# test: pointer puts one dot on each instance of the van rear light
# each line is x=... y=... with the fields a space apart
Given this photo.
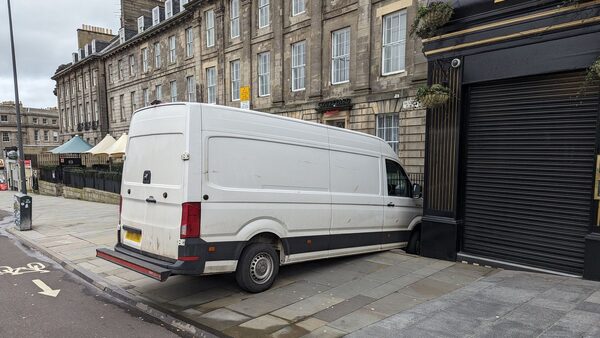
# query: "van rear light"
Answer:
x=190 y=220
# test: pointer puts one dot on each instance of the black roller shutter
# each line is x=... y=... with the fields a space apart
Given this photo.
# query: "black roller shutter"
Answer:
x=530 y=149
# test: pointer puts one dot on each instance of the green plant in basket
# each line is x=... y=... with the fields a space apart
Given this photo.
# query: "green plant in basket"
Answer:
x=430 y=18
x=434 y=96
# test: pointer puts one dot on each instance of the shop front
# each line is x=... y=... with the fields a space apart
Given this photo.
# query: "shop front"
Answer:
x=512 y=156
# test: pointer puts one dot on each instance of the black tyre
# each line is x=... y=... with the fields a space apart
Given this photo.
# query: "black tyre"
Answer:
x=414 y=243
x=257 y=267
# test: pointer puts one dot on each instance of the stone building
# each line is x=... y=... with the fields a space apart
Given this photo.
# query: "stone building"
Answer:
x=348 y=63
x=81 y=87
x=39 y=126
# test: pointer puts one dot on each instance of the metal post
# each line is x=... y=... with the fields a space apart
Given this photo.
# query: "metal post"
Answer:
x=18 y=108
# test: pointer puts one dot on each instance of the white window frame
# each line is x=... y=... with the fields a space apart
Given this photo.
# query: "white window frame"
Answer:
x=172 y=49
x=190 y=83
x=390 y=134
x=181 y=4
x=122 y=107
x=168 y=9
x=110 y=77
x=299 y=65
x=5 y=136
x=234 y=73
x=340 y=54
x=399 y=44
x=120 y=69
x=55 y=136
x=141 y=24
x=146 y=97
x=210 y=28
x=131 y=65
x=211 y=85
x=234 y=18
x=157 y=58
x=36 y=135
x=173 y=89
x=46 y=136
x=155 y=16
x=95 y=77
x=95 y=113
x=264 y=74
x=4 y=118
x=298 y=7
x=158 y=92
x=264 y=19
x=189 y=42
x=132 y=103
x=144 y=60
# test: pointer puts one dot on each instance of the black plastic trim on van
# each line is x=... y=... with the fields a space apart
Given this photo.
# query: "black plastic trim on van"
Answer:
x=297 y=245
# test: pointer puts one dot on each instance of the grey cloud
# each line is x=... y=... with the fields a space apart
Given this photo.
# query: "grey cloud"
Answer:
x=45 y=36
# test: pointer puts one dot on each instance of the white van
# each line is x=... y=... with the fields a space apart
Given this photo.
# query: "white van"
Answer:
x=212 y=189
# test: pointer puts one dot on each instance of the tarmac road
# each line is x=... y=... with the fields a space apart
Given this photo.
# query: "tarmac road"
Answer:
x=78 y=310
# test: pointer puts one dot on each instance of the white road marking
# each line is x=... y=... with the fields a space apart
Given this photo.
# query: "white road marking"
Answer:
x=46 y=290
x=31 y=267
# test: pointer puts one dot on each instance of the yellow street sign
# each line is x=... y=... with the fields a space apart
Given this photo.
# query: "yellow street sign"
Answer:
x=245 y=93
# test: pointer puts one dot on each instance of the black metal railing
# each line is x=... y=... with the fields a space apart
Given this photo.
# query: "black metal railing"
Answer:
x=417 y=178
x=109 y=181
x=80 y=177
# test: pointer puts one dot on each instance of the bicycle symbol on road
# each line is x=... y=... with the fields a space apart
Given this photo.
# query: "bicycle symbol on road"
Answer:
x=31 y=267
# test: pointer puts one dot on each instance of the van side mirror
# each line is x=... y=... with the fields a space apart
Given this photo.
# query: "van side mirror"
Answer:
x=417 y=191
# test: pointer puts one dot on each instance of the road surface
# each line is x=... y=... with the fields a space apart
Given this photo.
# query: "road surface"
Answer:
x=31 y=304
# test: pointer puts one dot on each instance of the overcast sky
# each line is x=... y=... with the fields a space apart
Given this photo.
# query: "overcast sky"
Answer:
x=45 y=36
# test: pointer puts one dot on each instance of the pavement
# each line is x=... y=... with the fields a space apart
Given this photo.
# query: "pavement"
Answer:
x=375 y=295
x=40 y=299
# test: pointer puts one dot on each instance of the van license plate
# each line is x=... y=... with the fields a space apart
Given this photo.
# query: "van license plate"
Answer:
x=133 y=236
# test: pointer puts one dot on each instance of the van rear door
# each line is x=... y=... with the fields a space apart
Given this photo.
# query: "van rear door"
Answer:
x=154 y=176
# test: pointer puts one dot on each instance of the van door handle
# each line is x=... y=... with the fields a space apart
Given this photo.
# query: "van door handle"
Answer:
x=150 y=199
x=391 y=204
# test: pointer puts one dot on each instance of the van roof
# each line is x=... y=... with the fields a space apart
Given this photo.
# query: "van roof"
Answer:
x=273 y=116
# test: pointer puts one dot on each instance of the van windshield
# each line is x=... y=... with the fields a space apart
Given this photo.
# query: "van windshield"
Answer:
x=160 y=154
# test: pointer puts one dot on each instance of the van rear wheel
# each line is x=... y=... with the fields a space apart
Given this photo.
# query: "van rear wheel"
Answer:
x=257 y=267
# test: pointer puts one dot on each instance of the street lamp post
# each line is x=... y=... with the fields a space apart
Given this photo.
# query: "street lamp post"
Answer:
x=22 y=201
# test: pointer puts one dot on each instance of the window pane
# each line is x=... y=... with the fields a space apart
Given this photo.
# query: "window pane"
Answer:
x=394 y=42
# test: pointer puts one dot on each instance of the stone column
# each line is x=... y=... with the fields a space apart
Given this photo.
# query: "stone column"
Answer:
x=363 y=47
x=315 y=67
x=277 y=54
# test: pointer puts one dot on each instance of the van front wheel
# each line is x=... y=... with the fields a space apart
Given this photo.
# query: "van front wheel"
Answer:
x=257 y=267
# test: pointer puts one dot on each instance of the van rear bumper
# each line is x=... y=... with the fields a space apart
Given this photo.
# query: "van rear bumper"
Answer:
x=149 y=266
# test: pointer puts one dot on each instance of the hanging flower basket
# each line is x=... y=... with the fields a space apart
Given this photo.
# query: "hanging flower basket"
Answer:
x=434 y=96
x=430 y=18
x=595 y=68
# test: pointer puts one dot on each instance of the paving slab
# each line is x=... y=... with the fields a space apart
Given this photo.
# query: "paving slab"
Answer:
x=307 y=307
x=357 y=320
x=341 y=309
x=291 y=331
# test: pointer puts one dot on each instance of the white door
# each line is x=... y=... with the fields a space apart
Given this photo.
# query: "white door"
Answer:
x=400 y=208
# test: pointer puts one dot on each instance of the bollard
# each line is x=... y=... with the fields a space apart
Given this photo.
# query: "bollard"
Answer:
x=23 y=213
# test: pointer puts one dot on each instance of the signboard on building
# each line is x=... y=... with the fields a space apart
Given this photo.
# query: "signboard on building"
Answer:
x=245 y=97
x=27 y=164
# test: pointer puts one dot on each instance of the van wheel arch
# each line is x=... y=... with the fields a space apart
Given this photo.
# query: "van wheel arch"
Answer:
x=272 y=239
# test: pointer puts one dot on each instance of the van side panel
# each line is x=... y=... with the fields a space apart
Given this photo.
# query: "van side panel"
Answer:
x=357 y=211
x=265 y=175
